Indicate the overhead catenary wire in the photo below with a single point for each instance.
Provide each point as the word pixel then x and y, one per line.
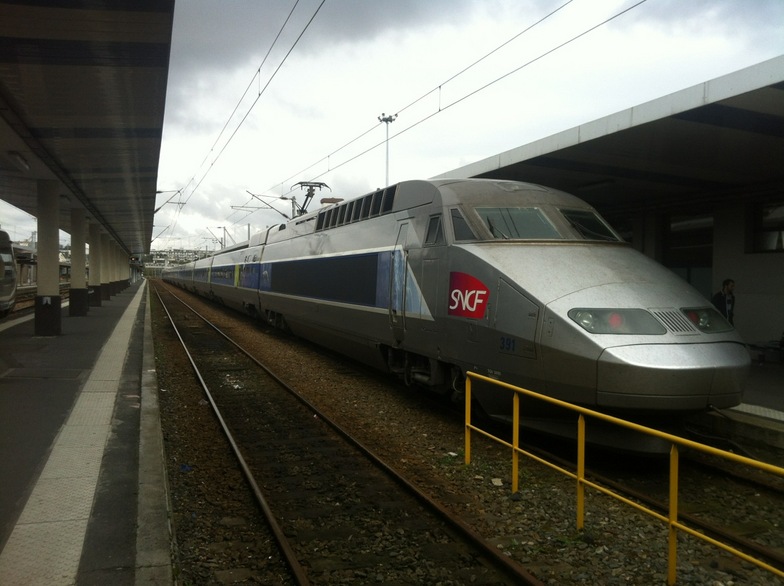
pixel 440 109
pixel 417 100
pixel 256 75
pixel 353 140
pixel 487 55
pixel 464 97
pixel 258 97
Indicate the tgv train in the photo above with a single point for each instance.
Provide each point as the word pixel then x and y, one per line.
pixel 525 284
pixel 7 275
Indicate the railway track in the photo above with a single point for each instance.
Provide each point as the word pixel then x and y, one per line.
pixel 25 297
pixel 722 500
pixel 731 503
pixel 337 511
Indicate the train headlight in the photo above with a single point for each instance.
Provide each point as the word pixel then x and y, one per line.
pixel 707 319
pixel 584 318
pixel 617 321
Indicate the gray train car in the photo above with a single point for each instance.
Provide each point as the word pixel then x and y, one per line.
pixel 529 285
pixel 7 275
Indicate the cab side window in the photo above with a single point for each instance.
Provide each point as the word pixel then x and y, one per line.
pixel 435 231
pixel 460 227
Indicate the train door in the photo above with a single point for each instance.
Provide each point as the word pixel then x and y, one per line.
pixel 397 285
pixel 516 319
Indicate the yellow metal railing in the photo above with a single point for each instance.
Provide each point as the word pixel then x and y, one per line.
pixel 671 519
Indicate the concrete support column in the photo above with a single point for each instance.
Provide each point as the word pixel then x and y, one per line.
pixel 78 295
pixel 47 299
pixel 122 269
pixel 126 272
pixel 115 270
pixel 95 266
pixel 106 279
pixel 118 268
pixel 111 267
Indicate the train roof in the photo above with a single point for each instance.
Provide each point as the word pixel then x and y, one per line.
pixel 408 195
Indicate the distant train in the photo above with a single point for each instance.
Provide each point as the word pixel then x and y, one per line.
pixel 525 284
pixel 7 275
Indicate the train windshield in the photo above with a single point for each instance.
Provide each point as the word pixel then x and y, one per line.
pixel 589 225
pixel 545 223
pixel 526 223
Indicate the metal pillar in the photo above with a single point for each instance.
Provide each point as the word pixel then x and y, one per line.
pixel 387 120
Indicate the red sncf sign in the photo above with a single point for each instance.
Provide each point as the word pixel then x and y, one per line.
pixel 467 296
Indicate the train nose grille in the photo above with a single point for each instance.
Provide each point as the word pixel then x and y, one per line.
pixel 674 321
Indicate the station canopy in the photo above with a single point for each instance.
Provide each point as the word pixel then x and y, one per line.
pixel 716 142
pixel 82 95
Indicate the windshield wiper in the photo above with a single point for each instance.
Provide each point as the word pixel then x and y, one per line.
pixel 495 231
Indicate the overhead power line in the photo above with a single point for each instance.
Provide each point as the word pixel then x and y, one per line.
pixel 256 75
pixel 442 108
pixel 419 99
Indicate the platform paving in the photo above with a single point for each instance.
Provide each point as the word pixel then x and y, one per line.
pixel 87 503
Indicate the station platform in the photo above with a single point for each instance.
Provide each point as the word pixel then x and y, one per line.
pixel 84 497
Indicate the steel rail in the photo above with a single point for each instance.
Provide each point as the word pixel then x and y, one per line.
pixel 767 553
pixel 292 561
pixel 511 568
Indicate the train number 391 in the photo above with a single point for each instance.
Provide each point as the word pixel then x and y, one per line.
pixel 507 344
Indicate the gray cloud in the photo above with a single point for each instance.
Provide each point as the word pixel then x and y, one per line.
pixel 210 34
pixel 218 44
pixel 216 36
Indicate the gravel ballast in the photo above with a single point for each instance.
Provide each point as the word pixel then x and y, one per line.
pixel 424 439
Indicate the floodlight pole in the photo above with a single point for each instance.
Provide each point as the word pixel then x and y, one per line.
pixel 387 120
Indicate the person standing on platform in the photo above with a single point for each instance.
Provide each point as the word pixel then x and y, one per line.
pixel 724 300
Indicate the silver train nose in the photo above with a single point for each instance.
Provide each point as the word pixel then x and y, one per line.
pixel 672 376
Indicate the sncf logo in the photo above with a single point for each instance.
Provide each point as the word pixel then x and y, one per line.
pixel 467 296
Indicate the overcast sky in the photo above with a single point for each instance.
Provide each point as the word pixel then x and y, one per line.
pixel 246 112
